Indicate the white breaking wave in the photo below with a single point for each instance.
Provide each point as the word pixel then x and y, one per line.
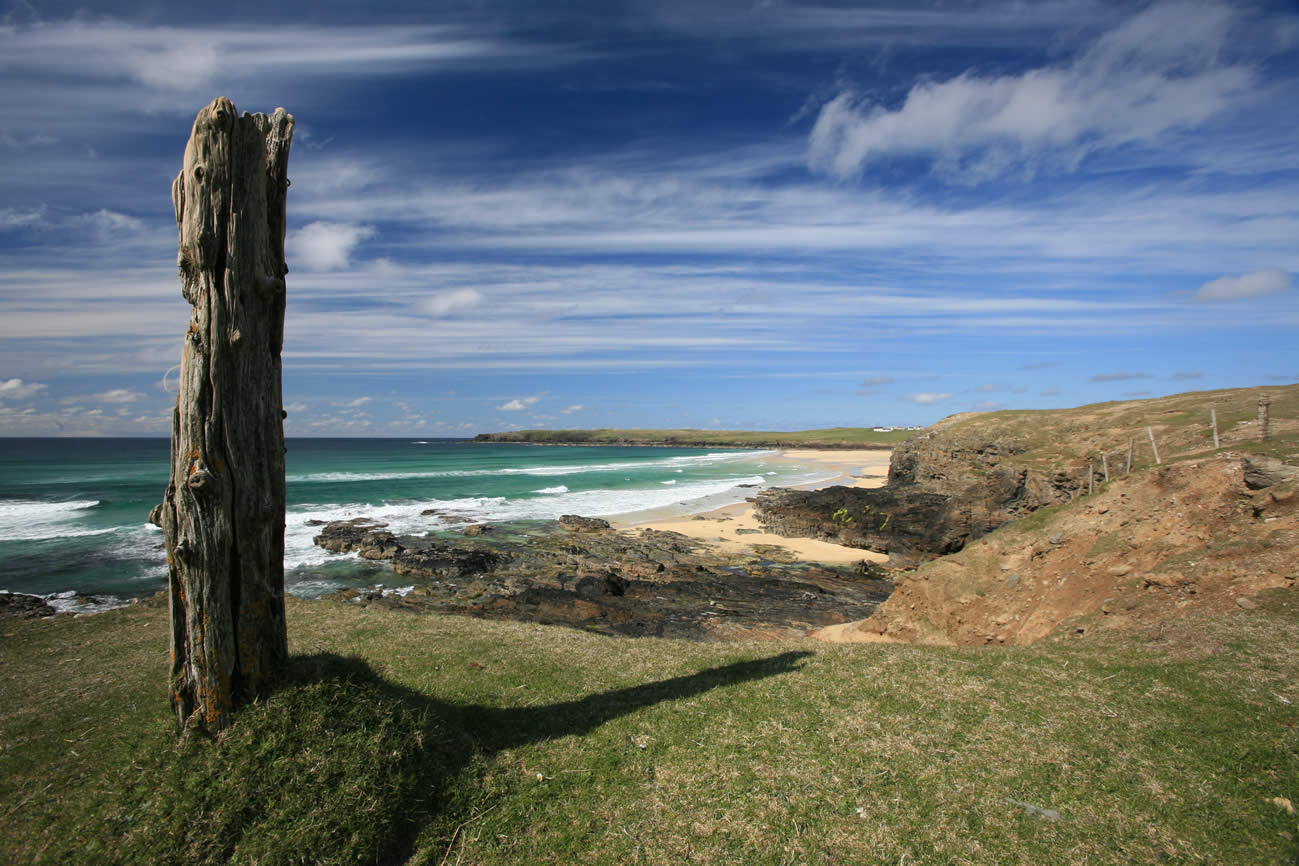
pixel 68 602
pixel 560 489
pixel 541 471
pixel 406 518
pixel 22 520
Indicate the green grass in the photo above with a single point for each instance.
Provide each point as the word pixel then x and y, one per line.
pixel 1180 423
pixel 434 739
pixel 831 437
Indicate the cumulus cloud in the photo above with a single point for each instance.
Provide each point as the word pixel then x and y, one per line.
pixel 1158 72
pixel 325 246
pixel 457 301
pixel 518 405
pixel 357 403
pixel 569 410
pixel 1253 285
pixel 17 389
pixel 925 397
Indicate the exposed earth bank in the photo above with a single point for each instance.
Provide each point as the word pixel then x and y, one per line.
pixel 1199 536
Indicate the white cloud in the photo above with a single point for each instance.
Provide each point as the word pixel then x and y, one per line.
pixel 357 403
pixel 16 389
pixel 569 410
pixel 1158 72
pixel 518 405
pixel 1259 283
pixel 325 246
pixel 12 218
pixel 116 395
pixel 111 221
pixel 926 397
pixel 455 301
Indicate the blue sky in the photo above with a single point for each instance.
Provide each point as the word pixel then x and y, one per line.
pixel 651 213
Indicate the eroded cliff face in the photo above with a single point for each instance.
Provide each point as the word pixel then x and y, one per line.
pixel 1205 536
pixel 943 491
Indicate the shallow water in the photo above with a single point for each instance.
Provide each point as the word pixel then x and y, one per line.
pixel 73 512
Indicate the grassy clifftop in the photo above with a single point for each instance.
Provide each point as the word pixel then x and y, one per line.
pixel 432 739
pixel 1181 425
pixel 833 437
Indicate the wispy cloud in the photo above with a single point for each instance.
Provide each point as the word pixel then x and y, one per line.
pixel 1119 376
pixel 456 301
pixel 924 398
pixel 518 405
pixel 1252 285
pixel 1162 70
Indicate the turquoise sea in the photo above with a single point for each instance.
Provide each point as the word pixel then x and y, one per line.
pixel 73 511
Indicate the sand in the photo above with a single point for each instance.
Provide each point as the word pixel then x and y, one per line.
pixel 722 526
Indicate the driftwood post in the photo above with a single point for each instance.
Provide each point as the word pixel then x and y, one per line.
pixel 1264 421
pixel 223 514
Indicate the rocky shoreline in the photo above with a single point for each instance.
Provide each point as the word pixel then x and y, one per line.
pixel 581 572
pixel 941 494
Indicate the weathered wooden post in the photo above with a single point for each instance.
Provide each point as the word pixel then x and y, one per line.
pixel 223 513
pixel 1153 446
pixel 1264 418
pixel 1131 444
pixel 1213 418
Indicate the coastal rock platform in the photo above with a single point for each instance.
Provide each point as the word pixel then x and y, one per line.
pixel 645 583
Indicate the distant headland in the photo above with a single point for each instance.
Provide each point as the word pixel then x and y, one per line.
pixel 833 437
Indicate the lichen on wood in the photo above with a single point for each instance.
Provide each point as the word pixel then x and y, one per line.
pixel 223 512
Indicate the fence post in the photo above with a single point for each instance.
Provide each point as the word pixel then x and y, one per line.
pixel 1153 446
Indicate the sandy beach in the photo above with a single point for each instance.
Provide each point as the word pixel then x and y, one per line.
pixel 734 529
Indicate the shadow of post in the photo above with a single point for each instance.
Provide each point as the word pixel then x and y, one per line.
pixel 461 733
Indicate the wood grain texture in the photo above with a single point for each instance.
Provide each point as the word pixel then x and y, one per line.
pixel 223 514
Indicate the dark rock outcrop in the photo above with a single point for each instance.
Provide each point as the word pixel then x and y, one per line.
pixel 941 494
pixel 648 583
pixel 575 523
pixel 18 605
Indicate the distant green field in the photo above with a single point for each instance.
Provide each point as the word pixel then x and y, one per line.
pixel 833 437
